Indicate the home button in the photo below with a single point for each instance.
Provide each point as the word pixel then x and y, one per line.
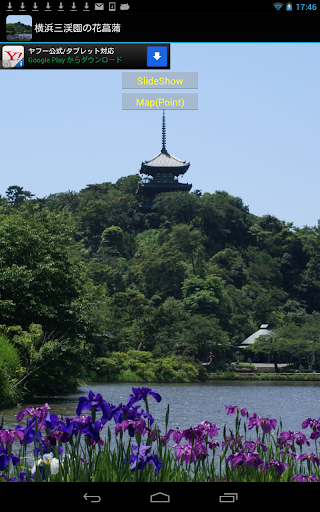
pixel 160 497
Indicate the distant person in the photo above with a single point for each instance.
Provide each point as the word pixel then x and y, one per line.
pixel 210 358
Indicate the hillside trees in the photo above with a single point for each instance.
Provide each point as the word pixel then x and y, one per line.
pixel 88 263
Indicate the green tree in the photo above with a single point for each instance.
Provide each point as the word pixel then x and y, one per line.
pixel 39 281
pixel 202 296
pixel 224 219
pixel 10 371
pixel 177 207
pixel 43 358
pixel 16 195
pixel 163 273
pixel 203 334
pixel 230 265
pixel 112 239
pixel 189 242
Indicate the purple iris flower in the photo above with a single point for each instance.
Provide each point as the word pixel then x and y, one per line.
pixel 7 436
pixel 309 422
pixel 237 458
pixel 241 457
pixel 213 444
pixel 192 434
pixel 253 459
pixel 232 409
pixel 141 394
pixel 95 403
pixel 197 433
pixel 190 452
pixel 80 423
pixel 251 445
pixel 92 432
pixel 176 435
pixel 29 432
pixel 59 430
pixel 23 477
pixel 309 457
pixel 35 412
pixel 5 458
pixel 314 425
pixel 51 421
pixel 86 426
pixel 133 426
pixel 285 438
pixel 156 462
pixel 141 457
pixel 304 478
pixel 125 412
pixel 207 428
pixel 266 424
pixel 278 466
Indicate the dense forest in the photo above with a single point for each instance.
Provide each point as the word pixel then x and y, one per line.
pixel 90 288
pixel 18 28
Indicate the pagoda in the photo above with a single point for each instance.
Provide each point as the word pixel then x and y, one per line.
pixel 164 170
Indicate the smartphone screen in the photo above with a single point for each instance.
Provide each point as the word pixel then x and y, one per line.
pixel 159 249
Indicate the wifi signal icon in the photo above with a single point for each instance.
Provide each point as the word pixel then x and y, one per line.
pixel 278 5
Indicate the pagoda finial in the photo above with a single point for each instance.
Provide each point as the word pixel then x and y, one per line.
pixel 164 149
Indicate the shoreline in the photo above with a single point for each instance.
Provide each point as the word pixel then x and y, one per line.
pixel 265 376
pixel 226 376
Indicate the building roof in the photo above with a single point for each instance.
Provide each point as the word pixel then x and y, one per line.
pixel 164 159
pixel 263 330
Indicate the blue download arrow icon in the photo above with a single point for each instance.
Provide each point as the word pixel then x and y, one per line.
pixel 157 56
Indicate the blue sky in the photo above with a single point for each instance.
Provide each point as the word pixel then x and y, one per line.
pixel 255 134
pixel 26 19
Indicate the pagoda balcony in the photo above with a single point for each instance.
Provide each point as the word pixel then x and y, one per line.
pixel 158 187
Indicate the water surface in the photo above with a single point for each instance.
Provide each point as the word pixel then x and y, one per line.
pixel 192 403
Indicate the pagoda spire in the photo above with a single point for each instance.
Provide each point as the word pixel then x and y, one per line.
pixel 164 149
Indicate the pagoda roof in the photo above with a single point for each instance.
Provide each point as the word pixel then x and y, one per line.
pixel 164 159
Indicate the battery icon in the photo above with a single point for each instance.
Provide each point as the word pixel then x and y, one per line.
pixel 289 6
pixel 228 497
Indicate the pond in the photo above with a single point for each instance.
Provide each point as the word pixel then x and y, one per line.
pixel 192 403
